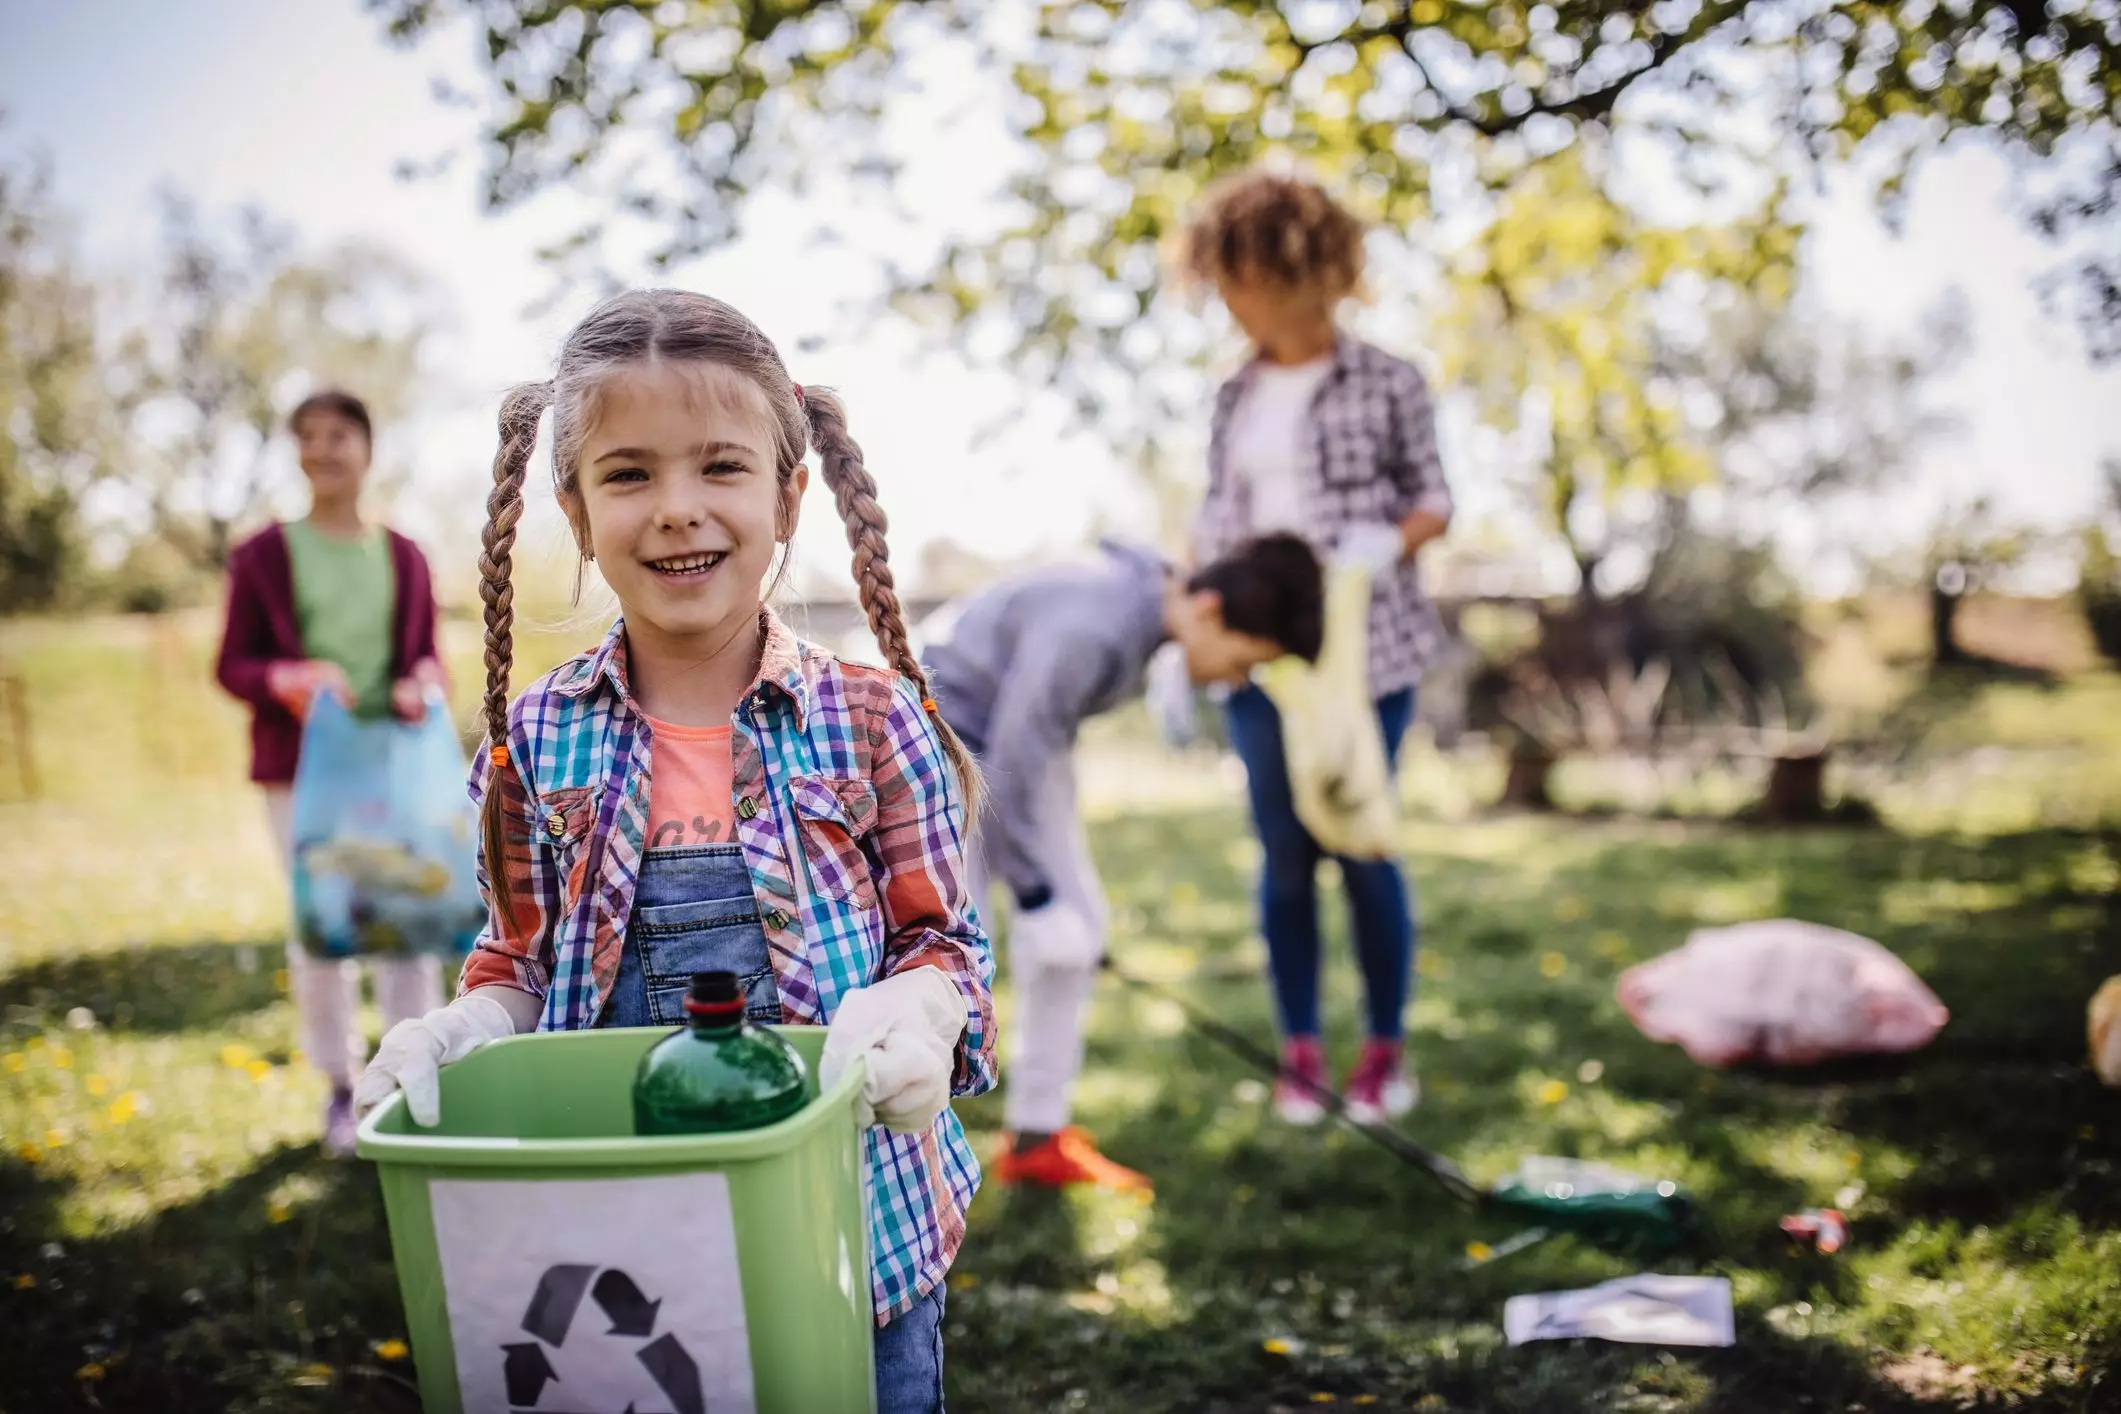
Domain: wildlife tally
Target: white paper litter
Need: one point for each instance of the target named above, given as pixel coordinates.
(1637, 1310)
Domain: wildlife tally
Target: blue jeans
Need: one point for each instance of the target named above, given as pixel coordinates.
(909, 1360)
(1381, 908)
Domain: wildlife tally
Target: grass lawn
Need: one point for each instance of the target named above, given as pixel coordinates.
(170, 1238)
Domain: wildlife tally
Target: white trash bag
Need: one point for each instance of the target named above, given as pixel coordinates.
(1780, 992)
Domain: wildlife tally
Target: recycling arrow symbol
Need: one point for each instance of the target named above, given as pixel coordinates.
(527, 1370)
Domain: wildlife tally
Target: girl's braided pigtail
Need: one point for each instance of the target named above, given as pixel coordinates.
(520, 412)
(854, 492)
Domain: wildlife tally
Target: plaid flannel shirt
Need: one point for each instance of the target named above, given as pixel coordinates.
(853, 829)
(1373, 462)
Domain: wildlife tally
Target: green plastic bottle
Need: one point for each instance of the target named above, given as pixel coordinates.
(718, 1072)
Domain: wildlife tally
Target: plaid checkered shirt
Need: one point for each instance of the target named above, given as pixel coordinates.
(853, 829)
(1373, 462)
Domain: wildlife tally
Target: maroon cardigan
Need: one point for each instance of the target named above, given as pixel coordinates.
(263, 630)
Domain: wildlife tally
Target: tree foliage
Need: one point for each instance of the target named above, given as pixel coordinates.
(1124, 107)
(241, 325)
(56, 421)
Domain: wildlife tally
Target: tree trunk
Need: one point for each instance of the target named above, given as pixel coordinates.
(1525, 787)
(1796, 789)
(1944, 615)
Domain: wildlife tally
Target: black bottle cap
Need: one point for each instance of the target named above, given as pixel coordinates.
(713, 993)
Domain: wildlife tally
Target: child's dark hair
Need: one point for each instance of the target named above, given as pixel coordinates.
(648, 326)
(1273, 229)
(1272, 588)
(339, 403)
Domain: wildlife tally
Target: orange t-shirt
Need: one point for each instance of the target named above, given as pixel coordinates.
(690, 791)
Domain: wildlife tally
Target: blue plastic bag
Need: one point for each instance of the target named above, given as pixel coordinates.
(385, 838)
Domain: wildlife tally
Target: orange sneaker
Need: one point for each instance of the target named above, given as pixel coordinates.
(1069, 1157)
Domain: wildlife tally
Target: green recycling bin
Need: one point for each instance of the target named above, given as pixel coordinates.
(550, 1259)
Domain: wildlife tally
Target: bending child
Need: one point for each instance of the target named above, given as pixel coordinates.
(703, 755)
(1027, 662)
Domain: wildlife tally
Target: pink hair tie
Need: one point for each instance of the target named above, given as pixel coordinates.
(798, 392)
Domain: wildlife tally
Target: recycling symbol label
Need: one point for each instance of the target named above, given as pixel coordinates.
(527, 1369)
(606, 1296)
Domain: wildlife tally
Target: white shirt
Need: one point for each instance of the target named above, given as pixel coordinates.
(1270, 442)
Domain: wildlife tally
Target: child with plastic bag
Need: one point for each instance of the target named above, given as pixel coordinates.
(331, 605)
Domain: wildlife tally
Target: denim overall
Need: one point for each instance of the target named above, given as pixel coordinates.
(693, 911)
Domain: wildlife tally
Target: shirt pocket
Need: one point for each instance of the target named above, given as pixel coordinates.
(1357, 438)
(566, 818)
(833, 814)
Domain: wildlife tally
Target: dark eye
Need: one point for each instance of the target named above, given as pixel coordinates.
(625, 473)
(726, 467)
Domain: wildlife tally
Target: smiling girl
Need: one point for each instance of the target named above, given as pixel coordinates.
(705, 792)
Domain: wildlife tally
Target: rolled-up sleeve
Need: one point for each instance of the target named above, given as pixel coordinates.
(926, 897)
(515, 949)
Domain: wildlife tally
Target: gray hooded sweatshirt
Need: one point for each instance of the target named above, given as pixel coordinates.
(1026, 663)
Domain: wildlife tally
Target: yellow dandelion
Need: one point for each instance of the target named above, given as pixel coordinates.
(258, 1069)
(25, 1282)
(1277, 1346)
(1365, 1399)
(91, 1372)
(62, 1058)
(313, 1376)
(97, 1085)
(124, 1107)
(963, 1281)
(1553, 1092)
(1608, 943)
(1552, 965)
(14, 1062)
(277, 1212)
(281, 982)
(54, 1138)
(29, 1153)
(391, 1349)
(34, 1043)
(235, 1057)
(1570, 909)
(1324, 1397)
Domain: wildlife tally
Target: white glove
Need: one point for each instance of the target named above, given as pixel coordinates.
(1056, 936)
(413, 1051)
(905, 1027)
(1375, 548)
(1169, 692)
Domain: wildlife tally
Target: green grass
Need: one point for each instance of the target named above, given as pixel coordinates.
(170, 1238)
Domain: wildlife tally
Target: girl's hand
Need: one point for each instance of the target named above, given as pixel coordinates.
(295, 683)
(413, 1052)
(905, 1027)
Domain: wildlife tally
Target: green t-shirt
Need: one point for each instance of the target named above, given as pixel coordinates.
(344, 595)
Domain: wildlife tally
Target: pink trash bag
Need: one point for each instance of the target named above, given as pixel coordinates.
(1780, 992)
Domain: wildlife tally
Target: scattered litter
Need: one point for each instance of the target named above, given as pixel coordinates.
(1825, 1230)
(1780, 992)
(1637, 1310)
(2103, 1022)
(1480, 1254)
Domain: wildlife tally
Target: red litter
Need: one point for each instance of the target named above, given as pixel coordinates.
(1824, 1228)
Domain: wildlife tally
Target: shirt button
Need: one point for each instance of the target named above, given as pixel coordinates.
(555, 826)
(778, 920)
(747, 807)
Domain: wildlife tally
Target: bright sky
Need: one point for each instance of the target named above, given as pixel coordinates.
(306, 111)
